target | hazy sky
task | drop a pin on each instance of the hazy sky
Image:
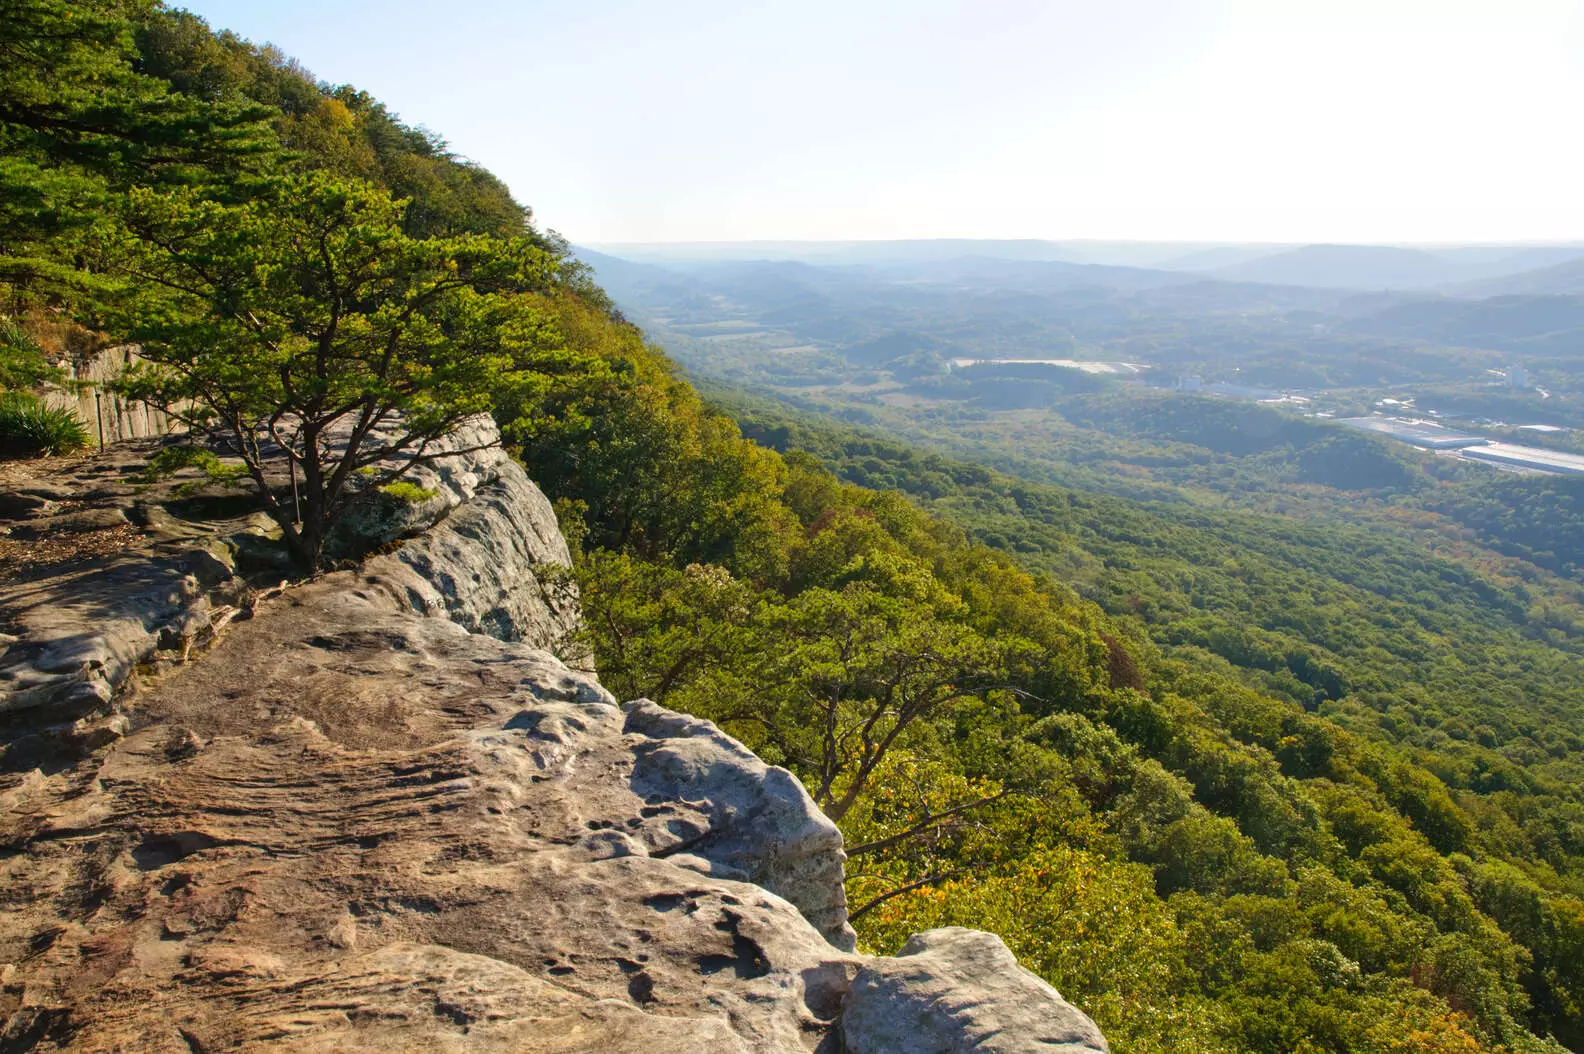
(1258, 120)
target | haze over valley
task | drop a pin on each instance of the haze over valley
(904, 331)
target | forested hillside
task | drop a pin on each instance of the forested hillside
(1230, 783)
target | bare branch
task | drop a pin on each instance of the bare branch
(926, 823)
(853, 916)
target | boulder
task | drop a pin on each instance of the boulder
(493, 566)
(455, 467)
(754, 821)
(956, 990)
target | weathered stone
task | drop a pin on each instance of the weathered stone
(89, 734)
(470, 805)
(86, 520)
(351, 826)
(484, 548)
(492, 566)
(15, 506)
(455, 467)
(955, 990)
(761, 821)
(50, 491)
(87, 627)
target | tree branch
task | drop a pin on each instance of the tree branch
(928, 821)
(853, 916)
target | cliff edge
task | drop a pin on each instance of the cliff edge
(371, 813)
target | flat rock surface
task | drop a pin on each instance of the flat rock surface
(96, 573)
(355, 828)
(101, 566)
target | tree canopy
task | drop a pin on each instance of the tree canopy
(307, 322)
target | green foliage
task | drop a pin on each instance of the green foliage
(1539, 520)
(829, 681)
(1302, 883)
(1378, 781)
(28, 428)
(1349, 461)
(363, 350)
(23, 364)
(656, 473)
(1092, 927)
(172, 459)
(338, 129)
(78, 124)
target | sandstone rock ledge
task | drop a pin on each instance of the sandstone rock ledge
(352, 826)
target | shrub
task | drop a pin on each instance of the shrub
(28, 428)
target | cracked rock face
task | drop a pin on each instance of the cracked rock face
(490, 565)
(354, 825)
(350, 827)
(483, 549)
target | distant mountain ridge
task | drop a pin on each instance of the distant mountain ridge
(980, 305)
(1563, 279)
(1390, 267)
(1347, 266)
(1460, 270)
(909, 250)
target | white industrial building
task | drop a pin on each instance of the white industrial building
(1530, 457)
(1427, 434)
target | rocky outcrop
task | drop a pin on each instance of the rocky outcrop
(957, 989)
(484, 544)
(754, 823)
(116, 575)
(352, 826)
(109, 416)
(454, 468)
(485, 552)
(78, 636)
(490, 565)
(344, 812)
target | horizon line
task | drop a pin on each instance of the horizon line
(1497, 244)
